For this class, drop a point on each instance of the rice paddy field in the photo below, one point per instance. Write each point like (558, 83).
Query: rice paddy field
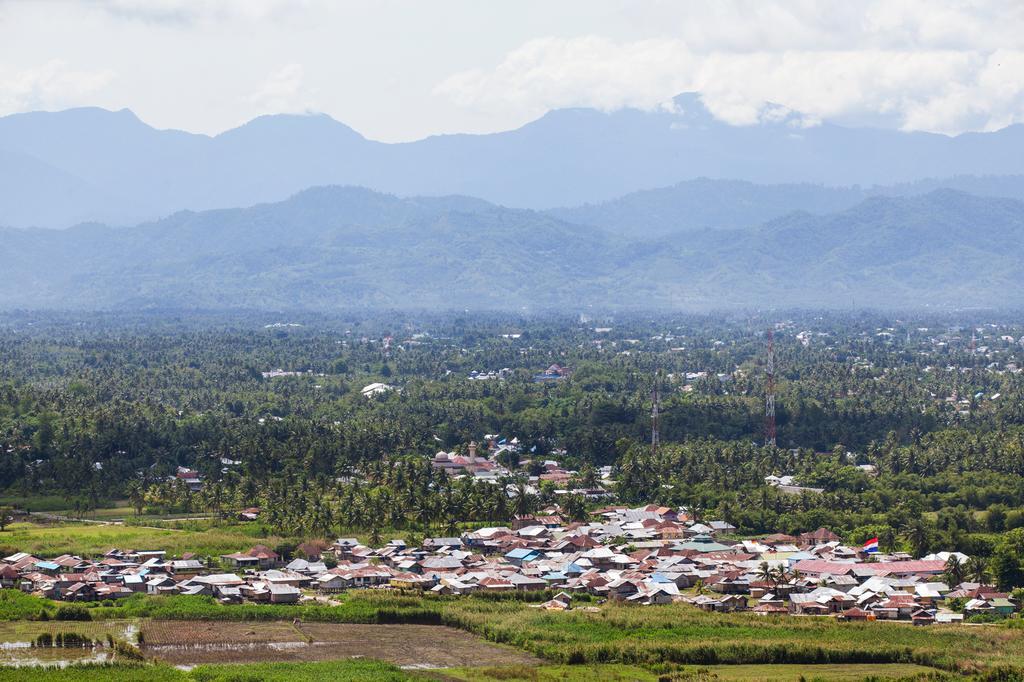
(19, 648)
(25, 630)
(201, 633)
(182, 643)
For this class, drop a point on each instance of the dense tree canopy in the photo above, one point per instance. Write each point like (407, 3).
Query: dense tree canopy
(103, 407)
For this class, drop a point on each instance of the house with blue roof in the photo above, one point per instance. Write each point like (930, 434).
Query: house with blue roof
(522, 555)
(555, 578)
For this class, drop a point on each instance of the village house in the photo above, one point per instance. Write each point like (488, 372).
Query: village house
(552, 373)
(646, 556)
(259, 557)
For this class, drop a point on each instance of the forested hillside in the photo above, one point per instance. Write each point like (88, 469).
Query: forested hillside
(347, 248)
(705, 203)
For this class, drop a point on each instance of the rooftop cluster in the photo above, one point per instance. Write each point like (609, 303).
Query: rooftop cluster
(645, 555)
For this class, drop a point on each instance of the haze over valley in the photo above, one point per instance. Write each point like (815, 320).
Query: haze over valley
(578, 209)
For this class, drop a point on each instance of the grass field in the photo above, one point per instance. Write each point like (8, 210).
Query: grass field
(121, 511)
(629, 673)
(205, 537)
(750, 673)
(683, 635)
(334, 671)
(36, 503)
(374, 671)
(92, 539)
(612, 672)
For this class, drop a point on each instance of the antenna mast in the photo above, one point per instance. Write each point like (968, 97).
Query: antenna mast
(769, 393)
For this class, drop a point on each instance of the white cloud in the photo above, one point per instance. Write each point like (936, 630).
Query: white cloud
(284, 92)
(937, 89)
(402, 69)
(52, 85)
(591, 71)
(812, 25)
(187, 13)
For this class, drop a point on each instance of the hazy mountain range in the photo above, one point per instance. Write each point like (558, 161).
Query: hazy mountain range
(771, 215)
(334, 247)
(81, 165)
(736, 204)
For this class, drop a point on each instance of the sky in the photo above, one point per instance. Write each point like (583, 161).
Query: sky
(401, 70)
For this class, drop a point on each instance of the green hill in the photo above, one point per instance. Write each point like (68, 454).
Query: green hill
(335, 248)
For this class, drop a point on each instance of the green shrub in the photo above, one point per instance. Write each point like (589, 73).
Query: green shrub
(73, 612)
(125, 651)
(17, 605)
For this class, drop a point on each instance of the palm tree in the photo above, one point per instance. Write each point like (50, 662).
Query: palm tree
(320, 518)
(954, 571)
(976, 569)
(765, 572)
(918, 536)
(424, 513)
(478, 507)
(779, 576)
(887, 539)
(212, 497)
(136, 496)
(375, 535)
(5, 516)
(357, 515)
(524, 501)
(575, 507)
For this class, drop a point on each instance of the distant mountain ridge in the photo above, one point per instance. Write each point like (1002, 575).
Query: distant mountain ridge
(348, 248)
(82, 165)
(704, 203)
(330, 246)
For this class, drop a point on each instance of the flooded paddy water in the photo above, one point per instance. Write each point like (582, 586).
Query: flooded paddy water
(19, 648)
(23, 654)
(186, 644)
